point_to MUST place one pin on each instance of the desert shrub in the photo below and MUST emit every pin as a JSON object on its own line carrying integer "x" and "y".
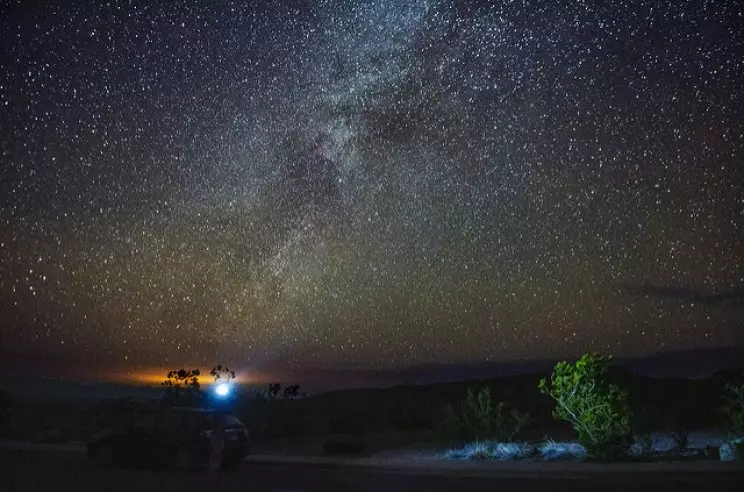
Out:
{"x": 681, "y": 440}
{"x": 733, "y": 406}
{"x": 643, "y": 445}
{"x": 491, "y": 450}
{"x": 597, "y": 409}
{"x": 732, "y": 450}
{"x": 478, "y": 418}
{"x": 643, "y": 424}
{"x": 553, "y": 450}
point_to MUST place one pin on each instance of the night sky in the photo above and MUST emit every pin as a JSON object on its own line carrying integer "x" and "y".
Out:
{"x": 293, "y": 186}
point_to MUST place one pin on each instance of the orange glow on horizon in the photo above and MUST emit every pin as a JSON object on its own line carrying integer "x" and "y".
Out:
{"x": 154, "y": 376}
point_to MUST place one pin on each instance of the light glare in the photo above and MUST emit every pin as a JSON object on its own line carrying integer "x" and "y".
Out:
{"x": 222, "y": 389}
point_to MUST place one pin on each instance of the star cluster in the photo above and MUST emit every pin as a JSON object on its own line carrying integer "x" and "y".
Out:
{"x": 290, "y": 184}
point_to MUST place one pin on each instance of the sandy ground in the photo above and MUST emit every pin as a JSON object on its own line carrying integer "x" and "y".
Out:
{"x": 55, "y": 470}
{"x": 284, "y": 467}
{"x": 394, "y": 445}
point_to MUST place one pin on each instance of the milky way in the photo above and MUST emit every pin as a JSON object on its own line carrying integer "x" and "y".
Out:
{"x": 287, "y": 185}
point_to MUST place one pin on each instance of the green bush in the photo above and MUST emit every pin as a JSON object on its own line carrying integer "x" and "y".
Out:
{"x": 734, "y": 406}
{"x": 477, "y": 418}
{"x": 597, "y": 409}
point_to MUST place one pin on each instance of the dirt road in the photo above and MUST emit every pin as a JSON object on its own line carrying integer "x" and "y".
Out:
{"x": 48, "y": 471}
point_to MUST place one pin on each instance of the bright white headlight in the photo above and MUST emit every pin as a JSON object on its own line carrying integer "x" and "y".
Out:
{"x": 222, "y": 389}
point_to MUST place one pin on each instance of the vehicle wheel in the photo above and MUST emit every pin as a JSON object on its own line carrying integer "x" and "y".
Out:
{"x": 184, "y": 460}
{"x": 104, "y": 456}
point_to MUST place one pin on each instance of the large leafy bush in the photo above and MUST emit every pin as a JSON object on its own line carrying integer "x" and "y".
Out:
{"x": 597, "y": 409}
{"x": 478, "y": 418}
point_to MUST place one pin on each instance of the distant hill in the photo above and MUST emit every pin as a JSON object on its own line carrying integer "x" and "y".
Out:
{"x": 694, "y": 363}
{"x": 660, "y": 403}
{"x": 27, "y": 388}
{"x": 699, "y": 363}
{"x": 666, "y": 403}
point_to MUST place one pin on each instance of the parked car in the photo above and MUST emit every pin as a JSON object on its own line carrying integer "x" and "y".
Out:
{"x": 176, "y": 437}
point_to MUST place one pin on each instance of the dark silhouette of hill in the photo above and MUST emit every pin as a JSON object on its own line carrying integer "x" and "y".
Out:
{"x": 693, "y": 363}
{"x": 29, "y": 388}
{"x": 658, "y": 403}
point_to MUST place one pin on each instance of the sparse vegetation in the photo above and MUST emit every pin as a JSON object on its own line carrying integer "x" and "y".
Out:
{"x": 642, "y": 446}
{"x": 734, "y": 406}
{"x": 681, "y": 440}
{"x": 732, "y": 450}
{"x": 492, "y": 450}
{"x": 552, "y": 450}
{"x": 410, "y": 418}
{"x": 597, "y": 409}
{"x": 478, "y": 418}
{"x": 182, "y": 388}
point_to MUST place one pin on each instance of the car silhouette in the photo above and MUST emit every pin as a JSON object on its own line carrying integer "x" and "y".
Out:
{"x": 177, "y": 437}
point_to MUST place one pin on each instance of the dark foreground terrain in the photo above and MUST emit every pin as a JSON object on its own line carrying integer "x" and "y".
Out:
{"x": 41, "y": 471}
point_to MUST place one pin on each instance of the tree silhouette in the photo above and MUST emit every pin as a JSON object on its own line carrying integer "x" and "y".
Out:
{"x": 274, "y": 389}
{"x": 222, "y": 372}
{"x": 222, "y": 375}
{"x": 182, "y": 387}
{"x": 292, "y": 392}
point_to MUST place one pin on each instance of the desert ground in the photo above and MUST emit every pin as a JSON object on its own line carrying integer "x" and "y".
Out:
{"x": 35, "y": 468}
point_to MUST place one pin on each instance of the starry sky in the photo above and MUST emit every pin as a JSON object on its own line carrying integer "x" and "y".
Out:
{"x": 289, "y": 186}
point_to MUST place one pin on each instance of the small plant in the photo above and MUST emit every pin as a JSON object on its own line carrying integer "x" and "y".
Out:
{"x": 732, "y": 450}
{"x": 480, "y": 451}
{"x": 553, "y": 450}
{"x": 597, "y": 409}
{"x": 477, "y": 418}
{"x": 681, "y": 440}
{"x": 491, "y": 450}
{"x": 733, "y": 406}
{"x": 643, "y": 446}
